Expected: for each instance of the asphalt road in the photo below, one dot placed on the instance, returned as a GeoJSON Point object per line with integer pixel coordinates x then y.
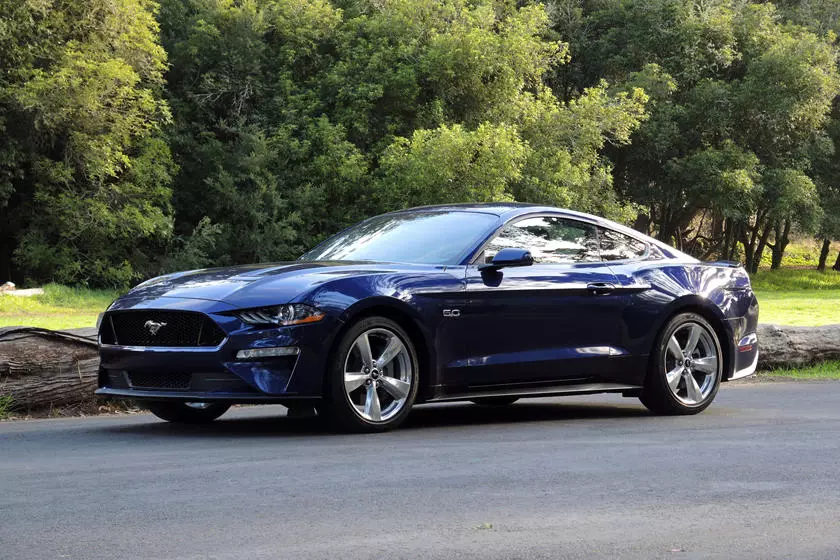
{"type": "Point", "coordinates": [755, 476]}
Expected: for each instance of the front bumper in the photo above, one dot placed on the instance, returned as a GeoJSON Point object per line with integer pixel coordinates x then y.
{"type": "Point", "coordinates": [215, 374]}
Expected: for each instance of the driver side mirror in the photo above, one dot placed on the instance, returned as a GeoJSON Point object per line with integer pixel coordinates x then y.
{"type": "Point", "coordinates": [507, 258]}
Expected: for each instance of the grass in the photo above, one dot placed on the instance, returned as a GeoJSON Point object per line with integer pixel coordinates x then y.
{"type": "Point", "coordinates": [59, 307]}
{"type": "Point", "coordinates": [825, 370]}
{"type": "Point", "coordinates": [798, 297]}
{"type": "Point", "coordinates": [6, 402]}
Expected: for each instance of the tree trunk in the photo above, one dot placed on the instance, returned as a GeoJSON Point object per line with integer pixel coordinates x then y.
{"type": "Point", "coordinates": [642, 223]}
{"type": "Point", "coordinates": [40, 369]}
{"type": "Point", "coordinates": [837, 263]}
{"type": "Point", "coordinates": [759, 251]}
{"type": "Point", "coordinates": [782, 240]}
{"type": "Point", "coordinates": [826, 247]}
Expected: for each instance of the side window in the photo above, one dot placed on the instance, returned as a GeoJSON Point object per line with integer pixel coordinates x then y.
{"type": "Point", "coordinates": [550, 240]}
{"type": "Point", "coordinates": [617, 246]}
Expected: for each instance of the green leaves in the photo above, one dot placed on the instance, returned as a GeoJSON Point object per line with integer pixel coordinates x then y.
{"type": "Point", "coordinates": [82, 107]}
{"type": "Point", "coordinates": [378, 106]}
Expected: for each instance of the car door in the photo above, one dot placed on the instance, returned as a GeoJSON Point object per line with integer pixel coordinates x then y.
{"type": "Point", "coordinates": [554, 321]}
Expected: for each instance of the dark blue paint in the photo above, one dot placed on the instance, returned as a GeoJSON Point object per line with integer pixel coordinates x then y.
{"type": "Point", "coordinates": [518, 325]}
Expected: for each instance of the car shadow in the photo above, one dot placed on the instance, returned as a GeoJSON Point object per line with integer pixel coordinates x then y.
{"type": "Point", "coordinates": [422, 417]}
{"type": "Point", "coordinates": [521, 412]}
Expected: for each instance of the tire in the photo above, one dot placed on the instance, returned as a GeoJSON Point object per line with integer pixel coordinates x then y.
{"type": "Point", "coordinates": [183, 413]}
{"type": "Point", "coordinates": [668, 387]}
{"type": "Point", "coordinates": [495, 401]}
{"type": "Point", "coordinates": [372, 393]}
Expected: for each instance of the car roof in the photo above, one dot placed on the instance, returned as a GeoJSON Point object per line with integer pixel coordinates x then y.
{"type": "Point", "coordinates": [505, 210]}
{"type": "Point", "coordinates": [509, 210]}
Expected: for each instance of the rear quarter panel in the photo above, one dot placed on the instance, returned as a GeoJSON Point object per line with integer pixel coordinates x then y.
{"type": "Point", "coordinates": [721, 292]}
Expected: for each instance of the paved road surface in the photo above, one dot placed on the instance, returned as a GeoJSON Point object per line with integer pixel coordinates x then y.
{"type": "Point", "coordinates": [755, 476]}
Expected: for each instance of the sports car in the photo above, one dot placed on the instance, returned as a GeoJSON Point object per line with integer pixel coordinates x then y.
{"type": "Point", "coordinates": [486, 303]}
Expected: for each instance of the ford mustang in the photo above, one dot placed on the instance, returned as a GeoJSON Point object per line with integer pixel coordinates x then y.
{"type": "Point", "coordinates": [486, 303]}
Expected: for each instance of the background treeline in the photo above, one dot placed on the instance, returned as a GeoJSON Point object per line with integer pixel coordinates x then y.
{"type": "Point", "coordinates": [138, 137]}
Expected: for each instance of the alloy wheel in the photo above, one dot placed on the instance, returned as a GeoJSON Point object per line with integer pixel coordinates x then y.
{"type": "Point", "coordinates": [691, 363]}
{"type": "Point", "coordinates": [378, 374]}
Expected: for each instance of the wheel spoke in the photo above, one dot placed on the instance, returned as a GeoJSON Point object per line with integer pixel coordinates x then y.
{"type": "Point", "coordinates": [397, 388]}
{"type": "Point", "coordinates": [693, 337]}
{"type": "Point", "coordinates": [353, 380]}
{"type": "Point", "coordinates": [363, 344]}
{"type": "Point", "coordinates": [674, 377]}
{"type": "Point", "coordinates": [692, 389]}
{"type": "Point", "coordinates": [391, 351]}
{"type": "Point", "coordinates": [372, 404]}
{"type": "Point", "coordinates": [706, 365]}
{"type": "Point", "coordinates": [674, 348]}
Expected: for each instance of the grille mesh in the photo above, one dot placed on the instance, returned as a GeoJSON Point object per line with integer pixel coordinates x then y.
{"type": "Point", "coordinates": [160, 328]}
{"type": "Point", "coordinates": [145, 380]}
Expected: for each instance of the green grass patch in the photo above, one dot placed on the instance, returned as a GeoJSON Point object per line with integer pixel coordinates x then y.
{"type": "Point", "coordinates": [59, 307]}
{"type": "Point", "coordinates": [6, 402]}
{"type": "Point", "coordinates": [825, 370]}
{"type": "Point", "coordinates": [789, 279]}
{"type": "Point", "coordinates": [799, 308]}
{"type": "Point", "coordinates": [798, 297]}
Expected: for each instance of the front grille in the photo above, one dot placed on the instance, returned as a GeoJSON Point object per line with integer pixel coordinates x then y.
{"type": "Point", "coordinates": [172, 381]}
{"type": "Point", "coordinates": [160, 328]}
{"type": "Point", "coordinates": [202, 382]}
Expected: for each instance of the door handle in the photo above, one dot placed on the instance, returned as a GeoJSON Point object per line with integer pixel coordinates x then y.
{"type": "Point", "coordinates": [600, 288]}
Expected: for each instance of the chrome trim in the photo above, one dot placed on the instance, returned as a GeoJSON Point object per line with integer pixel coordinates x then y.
{"type": "Point", "coordinates": [163, 348]}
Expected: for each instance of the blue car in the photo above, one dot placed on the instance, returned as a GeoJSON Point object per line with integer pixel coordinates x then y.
{"type": "Point", "coordinates": [486, 303]}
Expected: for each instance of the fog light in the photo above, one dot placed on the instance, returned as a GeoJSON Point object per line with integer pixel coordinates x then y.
{"type": "Point", "coordinates": [256, 353]}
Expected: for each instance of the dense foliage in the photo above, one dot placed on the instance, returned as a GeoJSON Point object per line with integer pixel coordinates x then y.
{"type": "Point", "coordinates": [142, 136]}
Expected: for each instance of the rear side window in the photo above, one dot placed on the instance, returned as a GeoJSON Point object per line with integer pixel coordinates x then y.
{"type": "Point", "coordinates": [550, 240]}
{"type": "Point", "coordinates": [618, 247]}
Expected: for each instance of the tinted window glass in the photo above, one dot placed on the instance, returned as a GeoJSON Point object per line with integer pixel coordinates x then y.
{"type": "Point", "coordinates": [412, 237]}
{"type": "Point", "coordinates": [617, 246]}
{"type": "Point", "coordinates": [550, 240]}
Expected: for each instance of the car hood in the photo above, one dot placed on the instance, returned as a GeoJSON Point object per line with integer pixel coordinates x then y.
{"type": "Point", "coordinates": [259, 284]}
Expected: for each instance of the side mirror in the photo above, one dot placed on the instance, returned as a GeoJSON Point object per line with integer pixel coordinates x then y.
{"type": "Point", "coordinates": [509, 257]}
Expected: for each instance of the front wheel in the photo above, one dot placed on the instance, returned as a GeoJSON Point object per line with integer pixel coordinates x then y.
{"type": "Point", "coordinates": [686, 367]}
{"type": "Point", "coordinates": [373, 377]}
{"type": "Point", "coordinates": [186, 412]}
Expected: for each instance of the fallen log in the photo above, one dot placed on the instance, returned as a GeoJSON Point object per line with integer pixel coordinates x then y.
{"type": "Point", "coordinates": [782, 346]}
{"type": "Point", "coordinates": [41, 369]}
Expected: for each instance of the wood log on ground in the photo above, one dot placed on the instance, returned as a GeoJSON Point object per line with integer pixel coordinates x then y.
{"type": "Point", "coordinates": [783, 346]}
{"type": "Point", "coordinates": [41, 369]}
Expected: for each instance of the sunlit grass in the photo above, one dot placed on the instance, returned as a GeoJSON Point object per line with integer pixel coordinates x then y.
{"type": "Point", "coordinates": [59, 307]}
{"type": "Point", "coordinates": [789, 279]}
{"type": "Point", "coordinates": [825, 370]}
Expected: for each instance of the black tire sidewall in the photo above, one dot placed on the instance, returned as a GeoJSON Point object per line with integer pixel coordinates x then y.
{"type": "Point", "coordinates": [337, 407]}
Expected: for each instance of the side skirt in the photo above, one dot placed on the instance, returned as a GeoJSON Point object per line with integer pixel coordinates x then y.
{"type": "Point", "coordinates": [543, 391]}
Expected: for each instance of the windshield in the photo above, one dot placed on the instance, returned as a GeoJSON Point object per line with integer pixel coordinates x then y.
{"type": "Point", "coordinates": [417, 237]}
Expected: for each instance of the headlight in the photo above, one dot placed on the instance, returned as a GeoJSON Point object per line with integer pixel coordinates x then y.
{"type": "Point", "coordinates": [284, 315]}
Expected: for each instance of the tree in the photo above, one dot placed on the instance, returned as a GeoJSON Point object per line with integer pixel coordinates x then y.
{"type": "Point", "coordinates": [739, 101]}
{"type": "Point", "coordinates": [295, 118]}
{"type": "Point", "coordinates": [84, 174]}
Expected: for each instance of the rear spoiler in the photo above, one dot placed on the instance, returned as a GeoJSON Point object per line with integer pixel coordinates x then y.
{"type": "Point", "coordinates": [728, 264]}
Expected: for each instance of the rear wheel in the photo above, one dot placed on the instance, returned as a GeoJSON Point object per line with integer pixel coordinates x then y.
{"type": "Point", "coordinates": [186, 412]}
{"type": "Point", "coordinates": [495, 401]}
{"type": "Point", "coordinates": [373, 377]}
{"type": "Point", "coordinates": [686, 367]}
